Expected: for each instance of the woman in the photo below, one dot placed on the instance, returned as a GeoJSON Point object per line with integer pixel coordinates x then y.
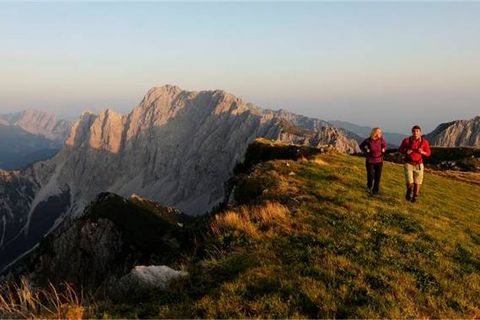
{"type": "Point", "coordinates": [374, 147]}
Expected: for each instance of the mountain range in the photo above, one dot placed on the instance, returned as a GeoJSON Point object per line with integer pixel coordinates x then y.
{"type": "Point", "coordinates": [30, 136]}
{"type": "Point", "coordinates": [177, 147]}
{"type": "Point", "coordinates": [459, 133]}
{"type": "Point", "coordinates": [393, 139]}
{"type": "Point", "coordinates": [38, 123]}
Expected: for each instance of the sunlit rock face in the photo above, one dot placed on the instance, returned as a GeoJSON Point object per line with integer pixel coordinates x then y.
{"type": "Point", "coordinates": [177, 147]}
{"type": "Point", "coordinates": [456, 134]}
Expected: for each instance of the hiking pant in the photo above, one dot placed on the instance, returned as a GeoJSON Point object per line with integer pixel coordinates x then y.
{"type": "Point", "coordinates": [413, 173]}
{"type": "Point", "coordinates": [374, 172]}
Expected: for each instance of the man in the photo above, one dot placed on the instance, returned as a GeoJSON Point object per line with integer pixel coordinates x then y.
{"type": "Point", "coordinates": [414, 148]}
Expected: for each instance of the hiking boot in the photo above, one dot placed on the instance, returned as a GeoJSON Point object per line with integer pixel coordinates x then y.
{"type": "Point", "coordinates": [414, 199]}
{"type": "Point", "coordinates": [408, 196]}
{"type": "Point", "coordinates": [369, 191]}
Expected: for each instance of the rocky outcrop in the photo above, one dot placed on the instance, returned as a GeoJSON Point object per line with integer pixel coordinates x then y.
{"type": "Point", "coordinates": [456, 134]}
{"type": "Point", "coordinates": [316, 136]}
{"type": "Point", "coordinates": [143, 279]}
{"type": "Point", "coordinates": [177, 147]}
{"type": "Point", "coordinates": [112, 236]}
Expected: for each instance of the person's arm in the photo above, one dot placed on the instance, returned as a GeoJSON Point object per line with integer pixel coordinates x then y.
{"type": "Point", "coordinates": [404, 146]}
{"type": "Point", "coordinates": [425, 149]}
{"type": "Point", "coordinates": [364, 146]}
{"type": "Point", "coordinates": [384, 145]}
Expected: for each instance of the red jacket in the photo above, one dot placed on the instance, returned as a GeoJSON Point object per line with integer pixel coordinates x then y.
{"type": "Point", "coordinates": [415, 157]}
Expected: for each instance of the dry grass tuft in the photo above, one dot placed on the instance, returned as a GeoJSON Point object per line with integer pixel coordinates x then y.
{"type": "Point", "coordinates": [234, 221]}
{"type": "Point", "coordinates": [250, 220]}
{"type": "Point", "coordinates": [24, 301]}
{"type": "Point", "coordinates": [319, 161]}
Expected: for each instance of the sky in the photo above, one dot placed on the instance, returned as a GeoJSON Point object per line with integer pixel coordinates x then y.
{"type": "Point", "coordinates": [387, 64]}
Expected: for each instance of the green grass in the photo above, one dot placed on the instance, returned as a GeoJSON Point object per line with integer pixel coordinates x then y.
{"type": "Point", "coordinates": [339, 253]}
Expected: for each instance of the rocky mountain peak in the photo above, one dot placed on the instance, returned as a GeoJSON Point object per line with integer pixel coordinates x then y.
{"type": "Point", "coordinates": [456, 133]}
{"type": "Point", "coordinates": [176, 140]}
{"type": "Point", "coordinates": [86, 113]}
{"type": "Point", "coordinates": [30, 115]}
{"type": "Point", "coordinates": [80, 128]}
{"type": "Point", "coordinates": [227, 102]}
{"type": "Point", "coordinates": [106, 131]}
{"type": "Point", "coordinates": [162, 92]}
{"type": "Point", "coordinates": [38, 123]}
{"type": "Point", "coordinates": [100, 132]}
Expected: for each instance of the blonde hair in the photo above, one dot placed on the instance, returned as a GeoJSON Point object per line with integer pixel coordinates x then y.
{"type": "Point", "coordinates": [376, 133]}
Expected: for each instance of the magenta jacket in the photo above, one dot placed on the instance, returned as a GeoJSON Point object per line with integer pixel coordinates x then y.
{"type": "Point", "coordinates": [373, 149]}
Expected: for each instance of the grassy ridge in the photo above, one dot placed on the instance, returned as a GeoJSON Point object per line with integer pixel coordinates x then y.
{"type": "Point", "coordinates": [307, 241]}
{"type": "Point", "coordinates": [302, 239]}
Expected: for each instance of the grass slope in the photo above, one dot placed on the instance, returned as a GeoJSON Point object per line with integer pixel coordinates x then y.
{"type": "Point", "coordinates": [307, 241]}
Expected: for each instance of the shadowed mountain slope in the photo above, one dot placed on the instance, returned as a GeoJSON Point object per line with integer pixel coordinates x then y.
{"type": "Point", "coordinates": [30, 136]}
{"type": "Point", "coordinates": [113, 236]}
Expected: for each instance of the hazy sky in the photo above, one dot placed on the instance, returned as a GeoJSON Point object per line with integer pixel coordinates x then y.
{"type": "Point", "coordinates": [387, 64]}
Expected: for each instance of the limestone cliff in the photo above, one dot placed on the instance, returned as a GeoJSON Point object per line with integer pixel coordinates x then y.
{"type": "Point", "coordinates": [458, 133]}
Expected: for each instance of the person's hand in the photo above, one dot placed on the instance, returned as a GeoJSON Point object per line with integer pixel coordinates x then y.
{"type": "Point", "coordinates": [367, 150]}
{"type": "Point", "coordinates": [421, 152]}
{"type": "Point", "coordinates": [409, 151]}
{"type": "Point", "coordinates": [383, 150]}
